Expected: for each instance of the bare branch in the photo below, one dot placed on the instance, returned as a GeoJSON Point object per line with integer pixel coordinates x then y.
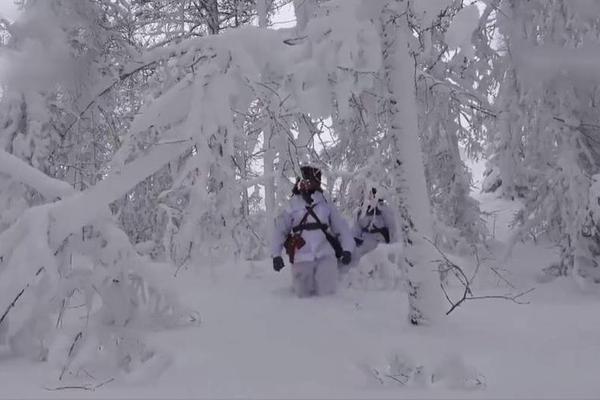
{"type": "Point", "coordinates": [14, 302]}
{"type": "Point", "coordinates": [87, 387]}
{"type": "Point", "coordinates": [495, 271]}
{"type": "Point", "coordinates": [69, 354]}
{"type": "Point", "coordinates": [505, 297]}
{"type": "Point", "coordinates": [466, 283]}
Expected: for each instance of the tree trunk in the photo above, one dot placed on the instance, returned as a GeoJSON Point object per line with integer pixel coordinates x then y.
{"type": "Point", "coordinates": [425, 297]}
{"type": "Point", "coordinates": [269, 165]}
{"type": "Point", "coordinates": [212, 20]}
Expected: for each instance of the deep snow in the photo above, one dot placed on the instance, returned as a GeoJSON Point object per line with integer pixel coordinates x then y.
{"type": "Point", "coordinates": [257, 340]}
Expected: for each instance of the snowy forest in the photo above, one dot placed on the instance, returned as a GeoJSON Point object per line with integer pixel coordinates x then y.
{"type": "Point", "coordinates": [148, 146]}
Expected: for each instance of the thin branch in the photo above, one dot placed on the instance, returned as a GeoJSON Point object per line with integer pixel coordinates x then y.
{"type": "Point", "coordinates": [295, 41]}
{"type": "Point", "coordinates": [69, 354]}
{"type": "Point", "coordinates": [14, 302]}
{"type": "Point", "coordinates": [477, 266]}
{"type": "Point", "coordinates": [494, 270]}
{"type": "Point", "coordinates": [106, 382]}
{"type": "Point", "coordinates": [467, 292]}
{"type": "Point", "coordinates": [120, 78]}
{"type": "Point", "coordinates": [513, 298]}
{"type": "Point", "coordinates": [87, 387]}
{"type": "Point", "coordinates": [396, 379]}
{"type": "Point", "coordinates": [81, 387]}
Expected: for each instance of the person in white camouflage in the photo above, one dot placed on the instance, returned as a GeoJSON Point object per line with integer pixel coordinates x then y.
{"type": "Point", "coordinates": [373, 224]}
{"type": "Point", "coordinates": [314, 234]}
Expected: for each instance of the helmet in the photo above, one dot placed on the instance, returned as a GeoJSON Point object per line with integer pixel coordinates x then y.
{"type": "Point", "coordinates": [311, 173]}
{"type": "Point", "coordinates": [310, 181]}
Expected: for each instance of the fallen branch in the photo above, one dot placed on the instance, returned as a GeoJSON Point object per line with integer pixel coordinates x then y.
{"type": "Point", "coordinates": [395, 378]}
{"type": "Point", "coordinates": [466, 283]}
{"type": "Point", "coordinates": [512, 298]}
{"type": "Point", "coordinates": [505, 297]}
{"type": "Point", "coordinates": [295, 41]}
{"type": "Point", "coordinates": [87, 387]}
{"type": "Point", "coordinates": [81, 387]}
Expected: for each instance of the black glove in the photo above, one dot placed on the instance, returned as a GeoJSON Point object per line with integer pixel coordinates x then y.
{"type": "Point", "coordinates": [278, 263]}
{"type": "Point", "coordinates": [346, 257]}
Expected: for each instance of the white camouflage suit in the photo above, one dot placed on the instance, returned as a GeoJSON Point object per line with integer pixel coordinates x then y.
{"type": "Point", "coordinates": [314, 270]}
{"type": "Point", "coordinates": [368, 220]}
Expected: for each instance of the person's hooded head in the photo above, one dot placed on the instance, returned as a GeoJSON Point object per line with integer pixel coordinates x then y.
{"type": "Point", "coordinates": [371, 201]}
{"type": "Point", "coordinates": [370, 197]}
{"type": "Point", "coordinates": [373, 194]}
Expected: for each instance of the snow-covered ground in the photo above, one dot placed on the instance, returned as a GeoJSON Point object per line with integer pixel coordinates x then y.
{"type": "Point", "coordinates": [257, 340]}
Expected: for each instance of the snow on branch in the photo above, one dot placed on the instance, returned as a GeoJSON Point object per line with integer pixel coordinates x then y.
{"type": "Point", "coordinates": [82, 208]}
{"type": "Point", "coordinates": [22, 172]}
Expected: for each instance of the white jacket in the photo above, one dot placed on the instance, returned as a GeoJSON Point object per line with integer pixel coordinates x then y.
{"type": "Point", "coordinates": [382, 217]}
{"type": "Point", "coordinates": [316, 245]}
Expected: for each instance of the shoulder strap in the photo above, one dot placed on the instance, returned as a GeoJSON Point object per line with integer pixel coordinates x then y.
{"type": "Point", "coordinates": [333, 241]}
{"type": "Point", "coordinates": [310, 226]}
{"type": "Point", "coordinates": [312, 213]}
{"type": "Point", "coordinates": [298, 228]}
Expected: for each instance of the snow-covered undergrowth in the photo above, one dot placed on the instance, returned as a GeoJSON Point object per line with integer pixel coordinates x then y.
{"type": "Point", "coordinates": [257, 340]}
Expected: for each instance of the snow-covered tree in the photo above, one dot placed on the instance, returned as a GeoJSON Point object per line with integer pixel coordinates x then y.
{"type": "Point", "coordinates": [544, 147]}
{"type": "Point", "coordinates": [155, 131]}
{"type": "Point", "coordinates": [60, 246]}
{"type": "Point", "coordinates": [451, 117]}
